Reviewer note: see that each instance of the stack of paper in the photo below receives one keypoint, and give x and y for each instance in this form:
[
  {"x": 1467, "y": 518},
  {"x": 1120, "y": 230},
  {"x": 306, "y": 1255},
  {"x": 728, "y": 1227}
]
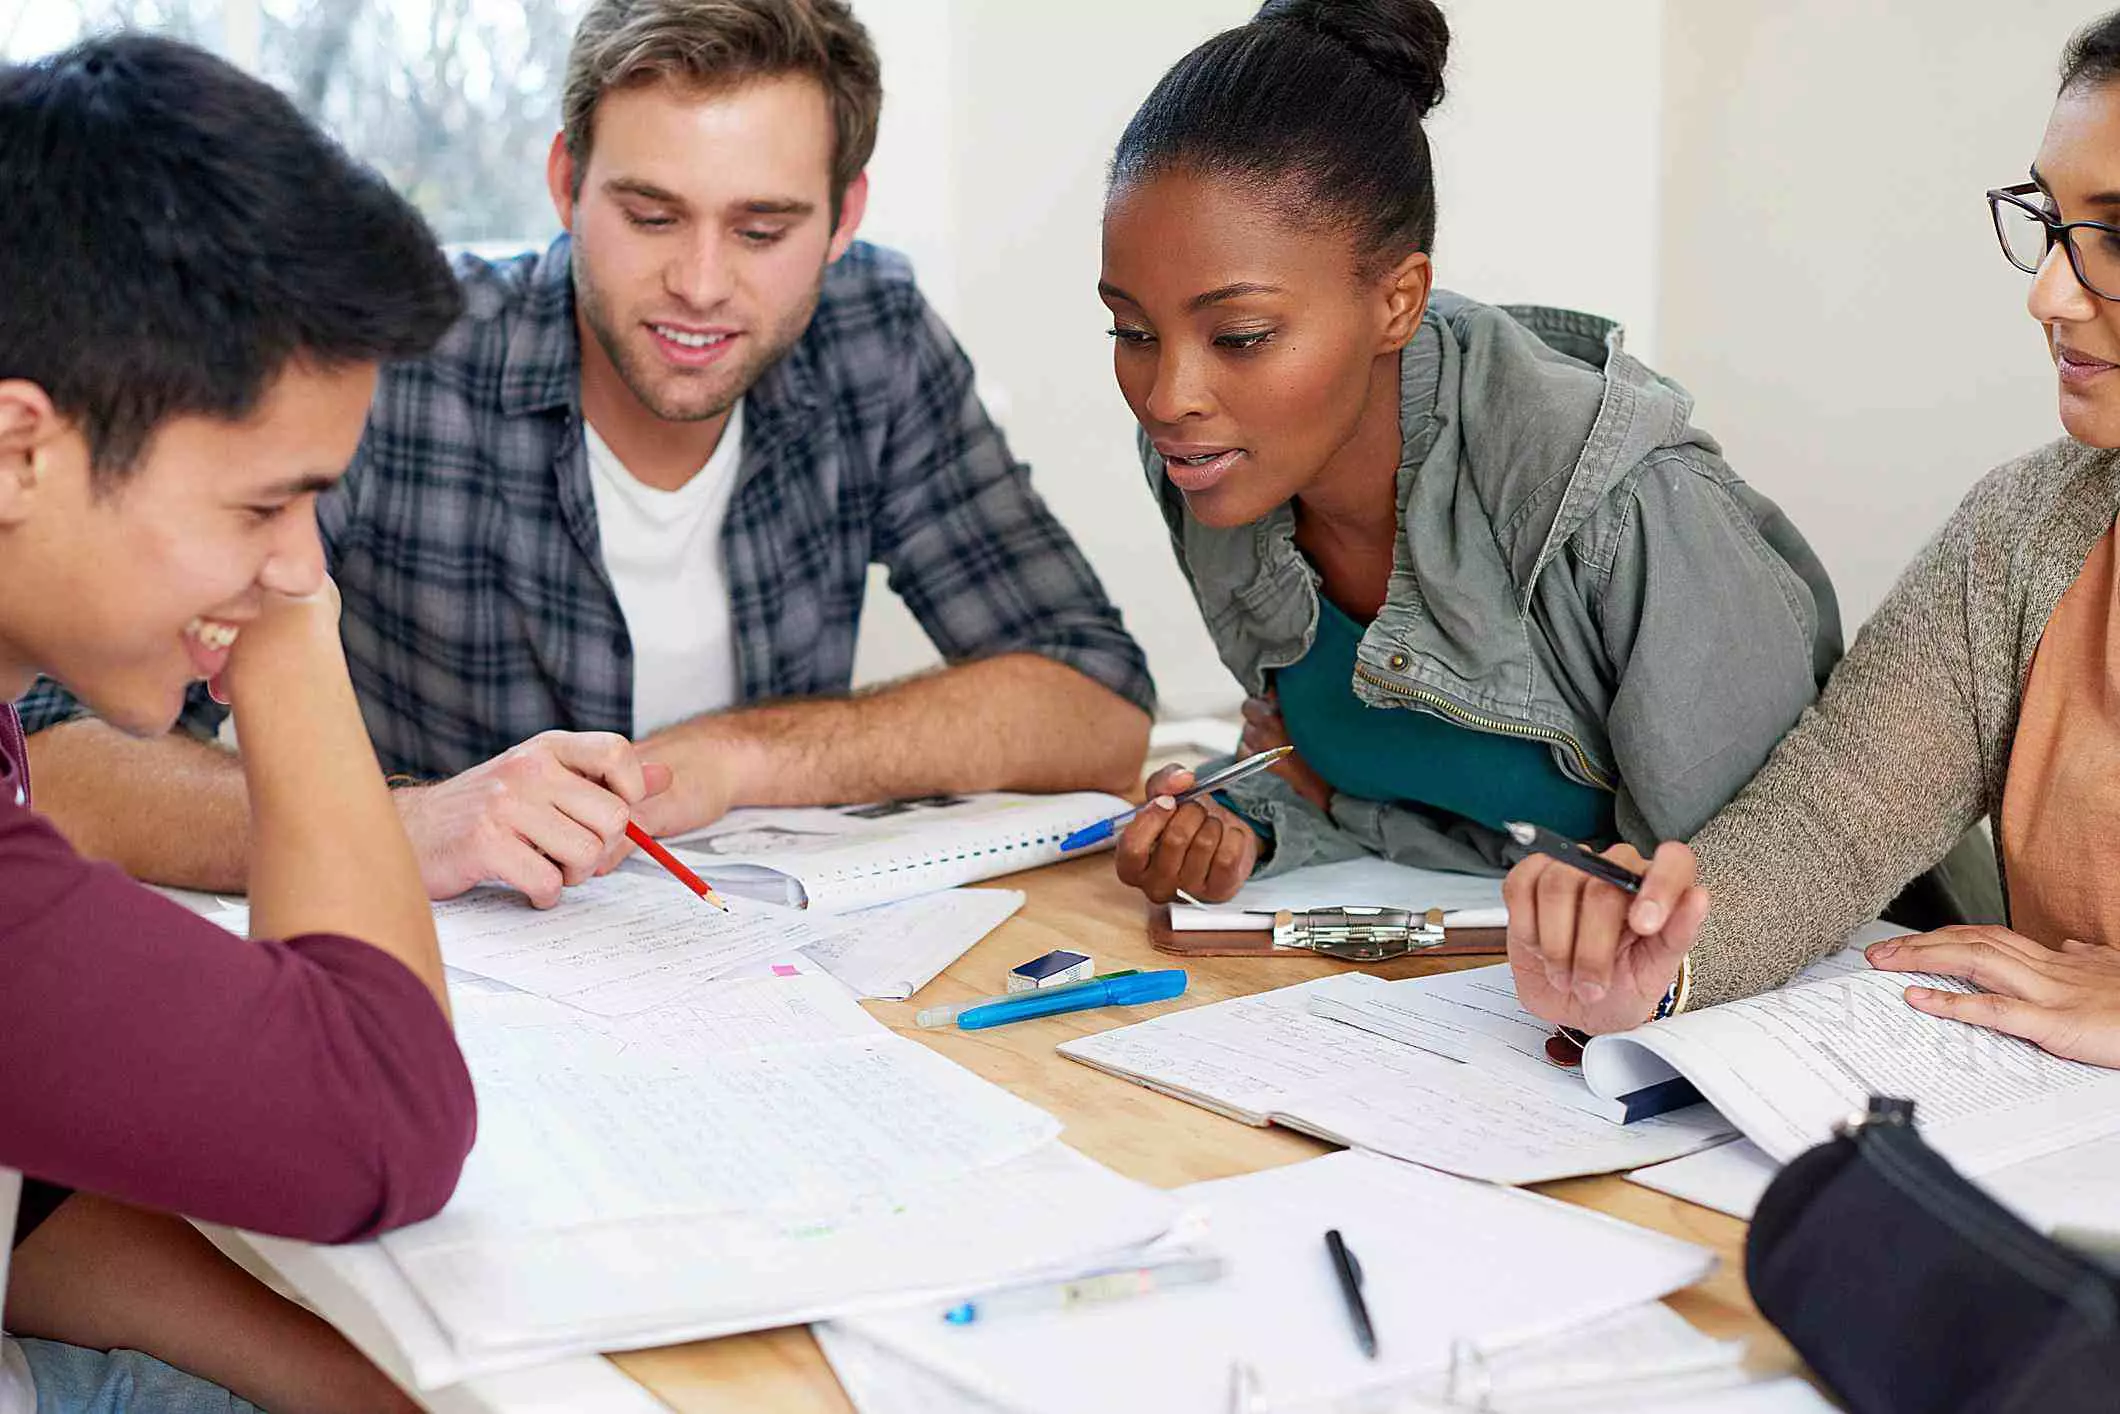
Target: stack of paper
[
  {"x": 1446, "y": 1262},
  {"x": 758, "y": 1154}
]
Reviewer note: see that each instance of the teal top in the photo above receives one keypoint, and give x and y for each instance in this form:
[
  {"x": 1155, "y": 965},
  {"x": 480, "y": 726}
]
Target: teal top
[{"x": 1409, "y": 756}]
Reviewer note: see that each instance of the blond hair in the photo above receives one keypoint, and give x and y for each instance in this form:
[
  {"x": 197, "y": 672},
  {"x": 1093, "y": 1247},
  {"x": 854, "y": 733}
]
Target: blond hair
[{"x": 716, "y": 43}]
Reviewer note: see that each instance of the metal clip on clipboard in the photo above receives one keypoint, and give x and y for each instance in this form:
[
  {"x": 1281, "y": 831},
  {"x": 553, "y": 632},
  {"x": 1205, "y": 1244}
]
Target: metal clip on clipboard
[{"x": 1356, "y": 934}]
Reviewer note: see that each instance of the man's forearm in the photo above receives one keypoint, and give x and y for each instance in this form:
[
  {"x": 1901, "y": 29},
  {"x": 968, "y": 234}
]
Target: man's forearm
[
  {"x": 1019, "y": 722},
  {"x": 168, "y": 810}
]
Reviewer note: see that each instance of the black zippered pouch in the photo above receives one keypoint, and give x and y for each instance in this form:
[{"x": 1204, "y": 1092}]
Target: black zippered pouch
[{"x": 1910, "y": 1290}]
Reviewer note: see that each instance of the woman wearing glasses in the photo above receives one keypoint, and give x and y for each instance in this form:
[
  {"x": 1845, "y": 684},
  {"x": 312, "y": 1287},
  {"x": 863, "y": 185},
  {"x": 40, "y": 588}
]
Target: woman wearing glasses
[{"x": 1988, "y": 684}]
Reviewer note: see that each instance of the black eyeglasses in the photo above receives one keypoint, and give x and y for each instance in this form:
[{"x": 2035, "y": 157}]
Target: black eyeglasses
[{"x": 2028, "y": 231}]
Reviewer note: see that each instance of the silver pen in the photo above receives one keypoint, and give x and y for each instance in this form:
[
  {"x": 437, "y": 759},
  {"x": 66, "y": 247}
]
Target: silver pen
[{"x": 1229, "y": 775}]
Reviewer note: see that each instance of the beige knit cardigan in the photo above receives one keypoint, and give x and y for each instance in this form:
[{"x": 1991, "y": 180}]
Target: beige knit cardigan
[{"x": 1909, "y": 744}]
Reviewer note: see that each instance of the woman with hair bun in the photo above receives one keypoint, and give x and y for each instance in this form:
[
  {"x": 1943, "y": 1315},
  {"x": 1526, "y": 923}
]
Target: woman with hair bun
[{"x": 1474, "y": 563}]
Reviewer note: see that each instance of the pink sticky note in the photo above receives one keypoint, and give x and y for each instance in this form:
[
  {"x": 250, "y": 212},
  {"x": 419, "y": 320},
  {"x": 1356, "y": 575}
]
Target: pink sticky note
[{"x": 781, "y": 969}]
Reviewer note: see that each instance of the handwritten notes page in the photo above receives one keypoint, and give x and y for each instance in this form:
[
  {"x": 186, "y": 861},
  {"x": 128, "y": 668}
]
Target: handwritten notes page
[
  {"x": 1251, "y": 1058},
  {"x": 616, "y": 945},
  {"x": 759, "y": 1151},
  {"x": 1471, "y": 1016},
  {"x": 581, "y": 1122},
  {"x": 1270, "y": 1057},
  {"x": 655, "y": 1281}
]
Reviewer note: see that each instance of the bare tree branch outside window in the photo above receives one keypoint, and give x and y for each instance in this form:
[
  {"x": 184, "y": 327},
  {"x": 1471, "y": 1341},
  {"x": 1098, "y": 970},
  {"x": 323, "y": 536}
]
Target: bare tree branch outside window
[{"x": 455, "y": 101}]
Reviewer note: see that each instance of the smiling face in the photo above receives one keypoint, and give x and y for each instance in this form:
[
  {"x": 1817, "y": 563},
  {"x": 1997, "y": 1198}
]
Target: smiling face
[
  {"x": 1251, "y": 350},
  {"x": 128, "y": 594},
  {"x": 2079, "y": 171},
  {"x": 702, "y": 226}
]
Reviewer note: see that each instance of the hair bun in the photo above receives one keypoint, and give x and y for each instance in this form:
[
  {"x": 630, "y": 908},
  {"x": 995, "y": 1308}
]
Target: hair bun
[{"x": 1406, "y": 41}]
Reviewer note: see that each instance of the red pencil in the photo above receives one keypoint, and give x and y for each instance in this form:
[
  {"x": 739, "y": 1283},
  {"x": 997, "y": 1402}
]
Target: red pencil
[{"x": 675, "y": 865}]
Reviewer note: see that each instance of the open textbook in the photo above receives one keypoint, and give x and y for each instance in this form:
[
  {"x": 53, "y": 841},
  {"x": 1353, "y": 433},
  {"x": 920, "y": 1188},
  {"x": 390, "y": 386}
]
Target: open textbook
[
  {"x": 1783, "y": 1067},
  {"x": 836, "y": 858},
  {"x": 1788, "y": 1065}
]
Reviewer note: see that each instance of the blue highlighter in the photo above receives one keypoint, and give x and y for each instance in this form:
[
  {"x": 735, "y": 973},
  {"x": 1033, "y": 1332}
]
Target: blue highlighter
[{"x": 1130, "y": 989}]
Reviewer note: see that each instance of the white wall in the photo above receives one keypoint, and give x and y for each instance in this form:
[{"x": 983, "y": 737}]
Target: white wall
[
  {"x": 1548, "y": 170},
  {"x": 1832, "y": 290}
]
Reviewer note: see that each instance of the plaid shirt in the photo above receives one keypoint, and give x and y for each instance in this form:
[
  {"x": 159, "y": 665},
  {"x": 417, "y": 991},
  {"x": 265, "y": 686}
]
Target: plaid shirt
[{"x": 464, "y": 537}]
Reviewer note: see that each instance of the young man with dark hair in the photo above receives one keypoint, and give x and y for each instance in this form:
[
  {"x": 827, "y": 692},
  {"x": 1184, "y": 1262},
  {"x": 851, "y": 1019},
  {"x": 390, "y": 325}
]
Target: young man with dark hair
[
  {"x": 200, "y": 289},
  {"x": 604, "y": 551}
]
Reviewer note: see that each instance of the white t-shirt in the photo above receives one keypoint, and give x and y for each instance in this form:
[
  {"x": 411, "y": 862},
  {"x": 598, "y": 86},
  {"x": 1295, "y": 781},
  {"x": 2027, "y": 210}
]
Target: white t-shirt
[{"x": 664, "y": 554}]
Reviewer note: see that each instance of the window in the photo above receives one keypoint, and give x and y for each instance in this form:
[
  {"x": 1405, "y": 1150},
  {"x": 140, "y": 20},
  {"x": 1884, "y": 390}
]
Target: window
[{"x": 455, "y": 101}]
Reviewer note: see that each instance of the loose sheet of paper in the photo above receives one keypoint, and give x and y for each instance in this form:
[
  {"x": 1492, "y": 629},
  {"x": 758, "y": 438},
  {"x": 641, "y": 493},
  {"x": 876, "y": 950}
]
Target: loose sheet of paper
[
  {"x": 626, "y": 1285},
  {"x": 1640, "y": 1355},
  {"x": 878, "y": 1380},
  {"x": 1471, "y": 1016},
  {"x": 894, "y": 950},
  {"x": 1461, "y": 1121},
  {"x": 1367, "y": 882},
  {"x": 1443, "y": 1259},
  {"x": 1248, "y": 1058},
  {"x": 2073, "y": 1188},
  {"x": 1729, "y": 1178},
  {"x": 582, "y": 1122},
  {"x": 615, "y": 945},
  {"x": 1271, "y": 1057}
]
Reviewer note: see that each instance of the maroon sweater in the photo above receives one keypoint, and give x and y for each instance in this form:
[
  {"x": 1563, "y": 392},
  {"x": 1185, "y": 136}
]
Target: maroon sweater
[{"x": 309, "y": 1088}]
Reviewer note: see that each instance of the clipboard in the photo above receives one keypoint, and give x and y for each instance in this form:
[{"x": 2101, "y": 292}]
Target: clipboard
[{"x": 1259, "y": 942}]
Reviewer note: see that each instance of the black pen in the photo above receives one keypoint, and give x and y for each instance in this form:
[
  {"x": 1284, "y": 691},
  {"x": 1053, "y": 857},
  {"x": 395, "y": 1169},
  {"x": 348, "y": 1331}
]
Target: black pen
[
  {"x": 1349, "y": 1271},
  {"x": 1537, "y": 839}
]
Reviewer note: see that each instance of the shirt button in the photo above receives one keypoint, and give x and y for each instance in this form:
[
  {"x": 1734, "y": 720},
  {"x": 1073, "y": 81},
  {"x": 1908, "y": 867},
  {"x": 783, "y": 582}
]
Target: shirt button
[{"x": 1398, "y": 662}]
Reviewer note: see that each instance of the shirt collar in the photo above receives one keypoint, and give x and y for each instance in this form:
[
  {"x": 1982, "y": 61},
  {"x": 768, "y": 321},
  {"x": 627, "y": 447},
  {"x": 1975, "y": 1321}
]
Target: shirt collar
[{"x": 541, "y": 369}]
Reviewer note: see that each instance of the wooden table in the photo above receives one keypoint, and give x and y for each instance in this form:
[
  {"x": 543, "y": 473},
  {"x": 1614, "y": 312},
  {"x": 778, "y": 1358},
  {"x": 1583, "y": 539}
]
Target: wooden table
[{"x": 1142, "y": 1134}]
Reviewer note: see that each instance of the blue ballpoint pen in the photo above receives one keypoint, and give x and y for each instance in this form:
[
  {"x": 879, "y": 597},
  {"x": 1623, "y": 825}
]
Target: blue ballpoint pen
[
  {"x": 1131, "y": 989},
  {"x": 1228, "y": 775}
]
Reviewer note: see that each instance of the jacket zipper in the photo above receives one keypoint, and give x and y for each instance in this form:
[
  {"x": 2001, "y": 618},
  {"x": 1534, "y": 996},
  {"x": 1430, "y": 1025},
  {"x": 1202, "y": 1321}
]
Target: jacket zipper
[{"x": 1475, "y": 720}]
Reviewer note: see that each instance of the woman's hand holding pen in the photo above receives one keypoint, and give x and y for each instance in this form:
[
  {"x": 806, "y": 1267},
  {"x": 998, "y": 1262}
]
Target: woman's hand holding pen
[
  {"x": 1198, "y": 847},
  {"x": 2065, "y": 1000},
  {"x": 1587, "y": 955}
]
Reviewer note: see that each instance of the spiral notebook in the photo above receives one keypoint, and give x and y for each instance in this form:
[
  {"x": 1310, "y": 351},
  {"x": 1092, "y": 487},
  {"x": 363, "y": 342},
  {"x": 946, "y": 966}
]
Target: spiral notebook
[{"x": 837, "y": 858}]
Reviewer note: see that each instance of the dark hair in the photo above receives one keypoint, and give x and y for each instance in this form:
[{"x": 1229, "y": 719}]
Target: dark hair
[
  {"x": 175, "y": 233},
  {"x": 2093, "y": 56},
  {"x": 1317, "y": 105}
]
